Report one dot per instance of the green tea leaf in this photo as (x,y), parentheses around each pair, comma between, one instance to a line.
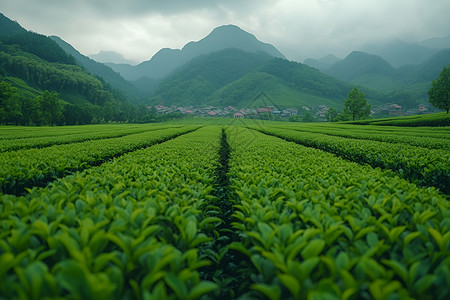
(313,248)
(272,292)
(291,283)
(423,284)
(201,289)
(177,286)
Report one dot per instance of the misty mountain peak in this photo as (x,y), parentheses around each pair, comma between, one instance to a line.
(230,36)
(230,30)
(223,37)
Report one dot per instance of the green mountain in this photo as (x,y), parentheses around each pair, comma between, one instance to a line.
(234,77)
(146,86)
(359,63)
(363,69)
(430,69)
(287,84)
(167,60)
(104,72)
(195,81)
(373,72)
(418,79)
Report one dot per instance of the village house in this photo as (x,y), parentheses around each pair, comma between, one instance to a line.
(230,109)
(160,109)
(322,110)
(423,107)
(264,110)
(395,109)
(288,112)
(277,112)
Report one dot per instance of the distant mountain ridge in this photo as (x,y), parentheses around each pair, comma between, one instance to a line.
(359,63)
(399,53)
(370,70)
(110,57)
(396,52)
(322,63)
(166,60)
(437,42)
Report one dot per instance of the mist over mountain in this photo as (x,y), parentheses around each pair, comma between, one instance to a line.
(396,52)
(399,53)
(437,42)
(99,69)
(166,60)
(359,63)
(428,70)
(195,81)
(110,57)
(322,63)
(373,71)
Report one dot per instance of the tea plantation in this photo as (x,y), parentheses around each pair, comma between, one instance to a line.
(242,209)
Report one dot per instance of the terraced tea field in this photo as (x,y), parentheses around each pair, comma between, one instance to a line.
(245,210)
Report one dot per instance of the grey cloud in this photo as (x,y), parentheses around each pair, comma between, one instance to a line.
(299,28)
(143,7)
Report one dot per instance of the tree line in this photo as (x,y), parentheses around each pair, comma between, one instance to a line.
(49,109)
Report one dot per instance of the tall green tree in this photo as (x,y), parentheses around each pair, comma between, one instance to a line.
(307,117)
(331,114)
(439,93)
(31,112)
(51,107)
(10,111)
(356,105)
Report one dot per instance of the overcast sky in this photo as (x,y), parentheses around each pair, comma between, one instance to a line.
(300,29)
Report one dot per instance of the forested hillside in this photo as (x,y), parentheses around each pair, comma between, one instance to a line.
(287,83)
(34,68)
(197,80)
(234,77)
